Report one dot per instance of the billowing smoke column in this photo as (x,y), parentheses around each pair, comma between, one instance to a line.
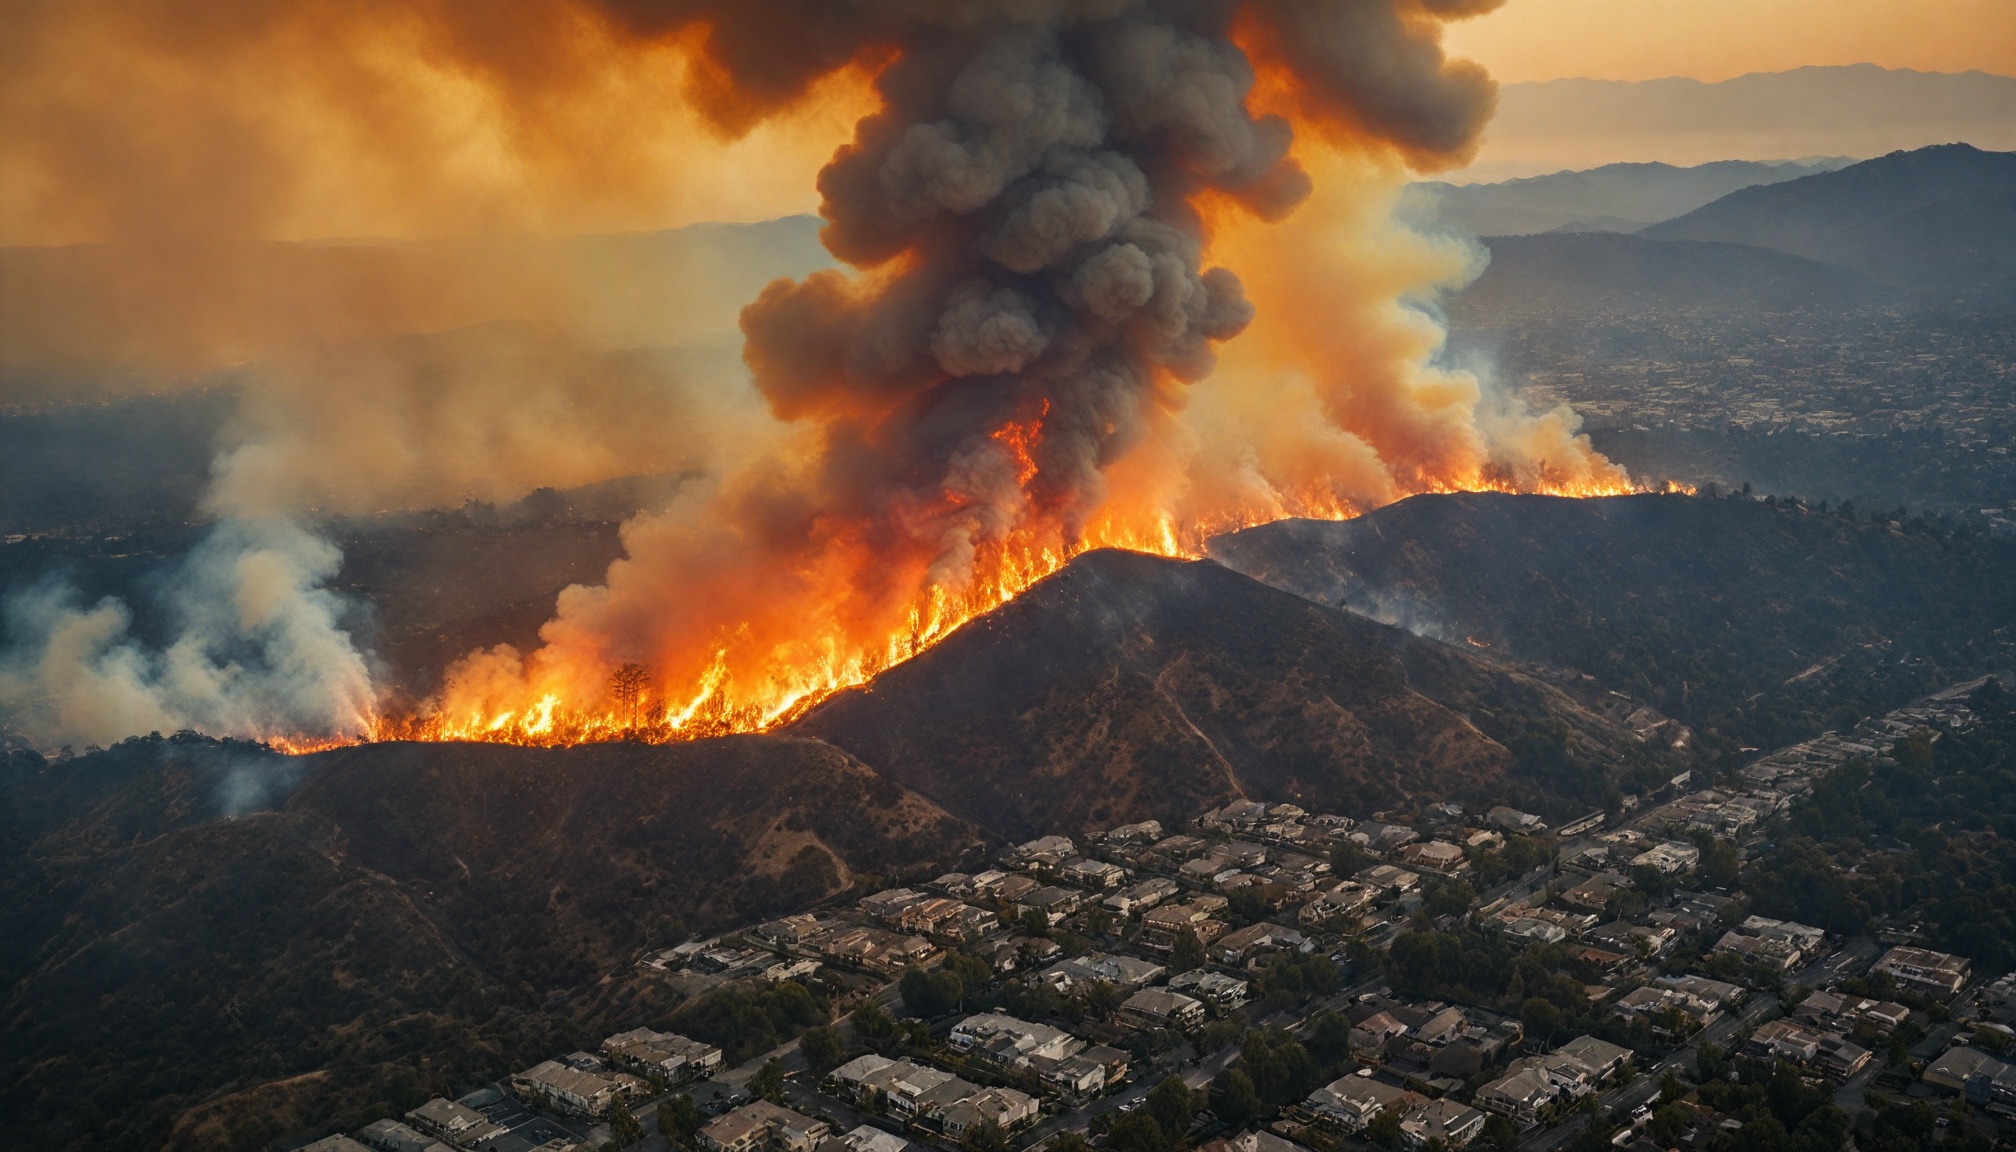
(1049,206)
(1003,382)
(260,649)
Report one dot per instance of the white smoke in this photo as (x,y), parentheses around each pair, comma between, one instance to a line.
(260,648)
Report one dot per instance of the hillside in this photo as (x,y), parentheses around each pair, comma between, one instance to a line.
(1598,272)
(209,937)
(1610,198)
(1128,686)
(1766,622)
(1942,217)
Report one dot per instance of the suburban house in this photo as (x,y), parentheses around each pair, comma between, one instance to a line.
(662,1054)
(1353,1102)
(1443,1122)
(1007,1042)
(865,1138)
(1525,1095)
(1810,1048)
(1052,902)
(1345,898)
(1123,971)
(763,1125)
(572,1090)
(1668,859)
(1390,879)
(1005,1108)
(1226,992)
(859,1078)
(392,1136)
(1089,873)
(1923,970)
(453,1122)
(1439,855)
(1159,1008)
(1143,896)
(1161,928)
(1237,947)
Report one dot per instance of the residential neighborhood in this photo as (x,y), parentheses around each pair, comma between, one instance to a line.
(1296,975)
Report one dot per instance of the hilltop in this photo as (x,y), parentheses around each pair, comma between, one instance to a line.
(1129,686)
(1767,621)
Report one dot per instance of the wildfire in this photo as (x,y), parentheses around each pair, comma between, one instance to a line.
(716,703)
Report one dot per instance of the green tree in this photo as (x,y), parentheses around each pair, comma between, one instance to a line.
(1542,1018)
(769,1081)
(1098,999)
(679,1120)
(1035,922)
(1069,1140)
(823,1049)
(624,1130)
(874,1026)
(1137,1132)
(1384,1130)
(1233,1099)
(1187,954)
(1498,1134)
(930,993)
(1330,1039)
(1449,898)
(986,1136)
(1668,1124)
(1720,865)
(1346,859)
(1173,1108)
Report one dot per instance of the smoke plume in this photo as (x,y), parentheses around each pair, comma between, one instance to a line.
(1035,212)
(1059,215)
(260,649)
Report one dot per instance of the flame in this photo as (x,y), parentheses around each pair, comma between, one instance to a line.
(717,702)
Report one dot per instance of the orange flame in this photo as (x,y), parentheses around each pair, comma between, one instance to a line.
(718,703)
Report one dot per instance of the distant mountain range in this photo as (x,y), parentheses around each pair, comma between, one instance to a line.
(1613,198)
(1934,224)
(1944,217)
(1859,110)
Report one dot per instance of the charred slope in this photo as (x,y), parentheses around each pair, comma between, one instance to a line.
(1129,686)
(215,946)
(1767,621)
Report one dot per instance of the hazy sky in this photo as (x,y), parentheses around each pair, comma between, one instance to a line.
(1717,39)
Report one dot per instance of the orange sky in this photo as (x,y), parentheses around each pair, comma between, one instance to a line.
(1717,39)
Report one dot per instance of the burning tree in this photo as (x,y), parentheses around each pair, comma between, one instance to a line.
(628,686)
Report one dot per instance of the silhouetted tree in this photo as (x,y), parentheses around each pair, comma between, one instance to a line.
(627,686)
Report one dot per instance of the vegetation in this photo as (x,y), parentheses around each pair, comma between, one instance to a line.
(625,1130)
(679,1120)
(823,1050)
(1541,984)
(1931,828)
(746,1021)
(1757,623)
